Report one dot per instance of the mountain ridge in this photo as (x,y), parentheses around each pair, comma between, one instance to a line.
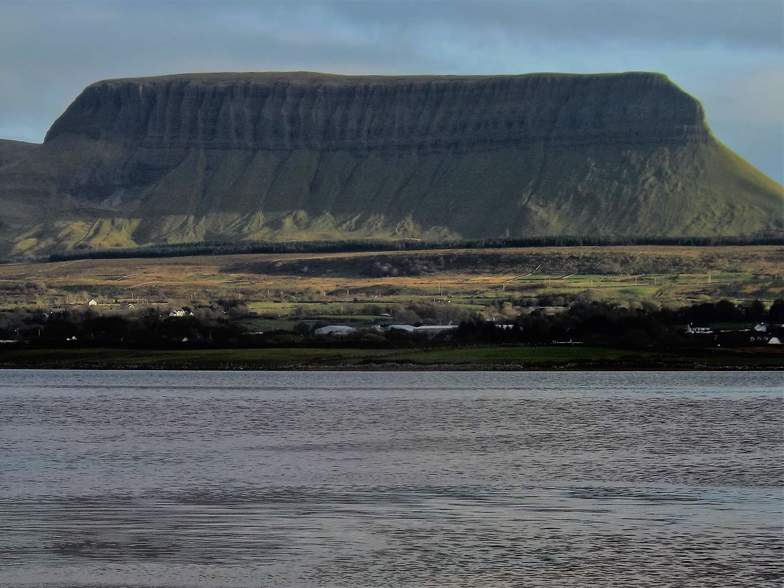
(303,156)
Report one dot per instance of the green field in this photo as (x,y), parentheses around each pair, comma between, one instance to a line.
(280,290)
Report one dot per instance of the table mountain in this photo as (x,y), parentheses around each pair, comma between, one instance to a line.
(305,156)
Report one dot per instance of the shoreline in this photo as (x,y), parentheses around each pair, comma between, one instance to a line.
(479,358)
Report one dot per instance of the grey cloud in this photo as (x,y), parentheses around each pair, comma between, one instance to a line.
(736,23)
(49,50)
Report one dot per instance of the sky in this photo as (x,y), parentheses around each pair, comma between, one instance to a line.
(727,53)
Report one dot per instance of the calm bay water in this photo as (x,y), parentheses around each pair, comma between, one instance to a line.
(391,479)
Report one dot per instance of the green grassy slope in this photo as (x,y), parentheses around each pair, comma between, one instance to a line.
(694,190)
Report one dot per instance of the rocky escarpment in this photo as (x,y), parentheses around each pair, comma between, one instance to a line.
(307,111)
(315,156)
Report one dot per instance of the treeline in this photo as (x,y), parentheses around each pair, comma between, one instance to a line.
(86,328)
(647,327)
(347,246)
(593,323)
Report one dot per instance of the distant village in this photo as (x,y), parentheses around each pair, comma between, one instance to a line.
(230,323)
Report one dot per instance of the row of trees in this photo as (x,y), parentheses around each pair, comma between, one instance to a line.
(601,323)
(349,245)
(148,328)
(596,323)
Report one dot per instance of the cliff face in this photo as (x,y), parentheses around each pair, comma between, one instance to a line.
(307,111)
(308,156)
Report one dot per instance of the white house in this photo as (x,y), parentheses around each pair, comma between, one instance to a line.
(698,330)
(92,302)
(774,341)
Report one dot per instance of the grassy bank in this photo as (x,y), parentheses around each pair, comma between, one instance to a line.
(468,358)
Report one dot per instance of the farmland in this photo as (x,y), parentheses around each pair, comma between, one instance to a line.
(282,289)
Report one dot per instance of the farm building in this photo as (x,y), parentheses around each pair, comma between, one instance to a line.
(423,330)
(334,330)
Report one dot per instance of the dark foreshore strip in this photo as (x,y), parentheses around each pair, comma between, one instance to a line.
(574,357)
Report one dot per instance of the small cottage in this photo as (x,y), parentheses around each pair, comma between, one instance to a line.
(691,330)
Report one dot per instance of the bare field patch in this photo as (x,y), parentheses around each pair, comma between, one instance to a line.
(345,283)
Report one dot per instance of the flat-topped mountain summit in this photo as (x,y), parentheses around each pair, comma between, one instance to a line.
(304,156)
(314,111)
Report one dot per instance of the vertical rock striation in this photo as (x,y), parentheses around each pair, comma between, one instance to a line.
(309,156)
(321,112)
